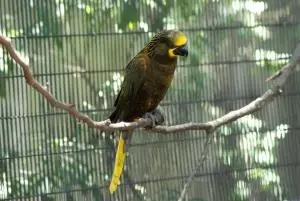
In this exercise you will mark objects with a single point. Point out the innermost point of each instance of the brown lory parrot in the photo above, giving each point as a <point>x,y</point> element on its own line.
<point>147,78</point>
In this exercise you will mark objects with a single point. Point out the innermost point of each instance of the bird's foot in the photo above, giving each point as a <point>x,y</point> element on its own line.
<point>157,116</point>
<point>149,115</point>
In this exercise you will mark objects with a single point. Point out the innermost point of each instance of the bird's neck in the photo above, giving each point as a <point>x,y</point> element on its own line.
<point>161,59</point>
<point>165,69</point>
<point>165,59</point>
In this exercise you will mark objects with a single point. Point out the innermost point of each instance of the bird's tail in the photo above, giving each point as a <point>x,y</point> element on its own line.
<point>119,165</point>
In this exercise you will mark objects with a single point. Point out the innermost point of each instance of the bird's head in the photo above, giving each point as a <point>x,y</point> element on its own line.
<point>168,44</point>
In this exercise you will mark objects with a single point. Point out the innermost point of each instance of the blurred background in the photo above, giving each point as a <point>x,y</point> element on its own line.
<point>79,48</point>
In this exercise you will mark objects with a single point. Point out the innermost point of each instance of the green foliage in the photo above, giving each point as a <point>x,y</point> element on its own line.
<point>129,15</point>
<point>69,170</point>
<point>254,148</point>
<point>272,66</point>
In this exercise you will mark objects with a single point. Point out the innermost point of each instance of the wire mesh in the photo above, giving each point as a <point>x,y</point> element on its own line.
<point>79,50</point>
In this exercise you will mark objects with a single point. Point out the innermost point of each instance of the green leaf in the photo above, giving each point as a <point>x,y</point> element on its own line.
<point>89,10</point>
<point>129,14</point>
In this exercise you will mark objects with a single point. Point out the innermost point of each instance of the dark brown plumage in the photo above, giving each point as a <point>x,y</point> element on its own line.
<point>147,78</point>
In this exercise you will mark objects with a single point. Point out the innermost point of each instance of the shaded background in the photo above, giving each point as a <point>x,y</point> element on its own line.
<point>79,49</point>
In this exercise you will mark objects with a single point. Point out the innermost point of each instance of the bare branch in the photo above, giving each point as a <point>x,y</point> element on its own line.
<point>106,125</point>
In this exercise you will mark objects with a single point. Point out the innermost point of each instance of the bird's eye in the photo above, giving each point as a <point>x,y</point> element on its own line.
<point>166,41</point>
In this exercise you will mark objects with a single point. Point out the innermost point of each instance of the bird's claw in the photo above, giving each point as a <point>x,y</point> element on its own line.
<point>149,115</point>
<point>156,116</point>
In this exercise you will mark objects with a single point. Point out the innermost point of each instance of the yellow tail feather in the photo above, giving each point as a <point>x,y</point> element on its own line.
<point>119,164</point>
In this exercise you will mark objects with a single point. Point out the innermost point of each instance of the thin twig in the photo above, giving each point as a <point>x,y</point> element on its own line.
<point>200,164</point>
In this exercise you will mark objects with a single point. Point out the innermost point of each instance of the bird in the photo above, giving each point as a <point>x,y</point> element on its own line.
<point>146,80</point>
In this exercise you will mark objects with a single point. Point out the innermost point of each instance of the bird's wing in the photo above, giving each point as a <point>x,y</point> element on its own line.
<point>134,78</point>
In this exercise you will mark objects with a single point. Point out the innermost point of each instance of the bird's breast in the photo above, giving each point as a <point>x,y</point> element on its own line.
<point>156,84</point>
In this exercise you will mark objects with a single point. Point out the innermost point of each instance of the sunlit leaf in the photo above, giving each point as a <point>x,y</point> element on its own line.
<point>89,10</point>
